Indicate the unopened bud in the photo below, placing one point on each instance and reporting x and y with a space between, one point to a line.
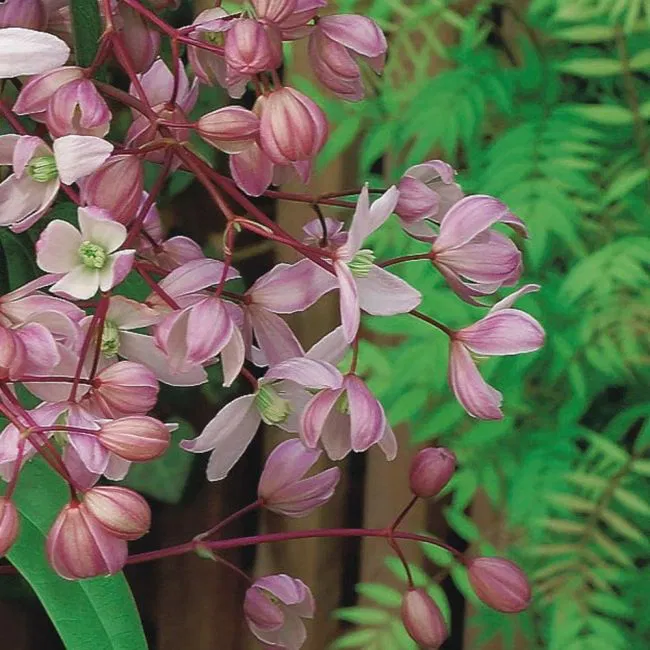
423 619
30 14
231 129
416 200
123 512
431 470
252 47
135 438
9 524
78 546
500 584
125 388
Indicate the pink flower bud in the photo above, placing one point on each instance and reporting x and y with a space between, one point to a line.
282 486
423 619
416 200
136 438
79 547
252 47
125 388
116 187
78 109
500 584
296 25
9 524
292 127
431 470
122 512
274 11
231 129
141 42
29 14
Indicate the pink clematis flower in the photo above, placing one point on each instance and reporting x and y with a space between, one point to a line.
282 487
503 331
362 284
332 45
25 350
274 608
89 258
25 51
38 171
475 259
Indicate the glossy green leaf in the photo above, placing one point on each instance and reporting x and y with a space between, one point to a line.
86 29
97 614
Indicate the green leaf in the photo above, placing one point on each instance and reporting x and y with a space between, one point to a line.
605 114
585 33
17 265
623 527
632 501
591 67
381 594
356 639
571 502
624 184
97 614
164 478
362 615
134 287
641 60
641 467
86 30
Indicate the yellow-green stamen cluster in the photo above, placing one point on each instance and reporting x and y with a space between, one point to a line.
42 169
92 255
273 408
361 263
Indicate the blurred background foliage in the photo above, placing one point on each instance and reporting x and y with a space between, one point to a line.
546 106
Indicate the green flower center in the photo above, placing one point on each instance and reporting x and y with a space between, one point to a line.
92 255
214 38
42 169
110 343
273 408
343 404
361 263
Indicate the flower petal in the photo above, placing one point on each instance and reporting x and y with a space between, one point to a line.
510 300
57 249
349 301
306 372
507 331
116 269
194 276
274 337
26 52
252 170
475 395
367 419
383 294
81 283
233 357
96 228
331 348
315 414
286 464
79 155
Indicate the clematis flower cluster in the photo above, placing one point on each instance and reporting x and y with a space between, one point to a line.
91 352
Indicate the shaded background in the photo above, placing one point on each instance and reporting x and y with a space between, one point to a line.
544 104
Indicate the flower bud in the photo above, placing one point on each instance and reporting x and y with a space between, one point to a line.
9 524
416 200
431 470
30 14
125 388
122 512
423 619
79 547
141 42
252 47
136 438
13 355
78 109
231 129
500 584
292 127
274 11
116 187
282 486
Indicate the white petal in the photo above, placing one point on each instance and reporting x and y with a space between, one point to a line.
108 234
25 51
58 247
81 283
79 155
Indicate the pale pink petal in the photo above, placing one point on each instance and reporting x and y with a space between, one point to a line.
23 201
315 414
331 348
335 436
362 35
233 357
307 372
129 314
383 294
8 143
26 52
477 397
158 83
349 301
388 443
57 249
81 283
467 218
288 590
77 469
90 451
142 349
28 216
26 148
117 468
288 288
510 300
432 170
117 267
96 228
367 419
274 337
37 92
506 331
209 328
467 291
286 464
194 276
42 352
79 155
252 170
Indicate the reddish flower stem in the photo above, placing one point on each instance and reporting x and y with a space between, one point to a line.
155 287
404 258
432 321
228 520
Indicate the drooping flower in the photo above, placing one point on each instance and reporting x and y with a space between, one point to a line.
26 52
89 257
333 44
475 259
423 619
274 608
38 171
231 129
252 47
504 331
282 486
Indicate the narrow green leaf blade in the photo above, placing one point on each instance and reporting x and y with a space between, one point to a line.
86 29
